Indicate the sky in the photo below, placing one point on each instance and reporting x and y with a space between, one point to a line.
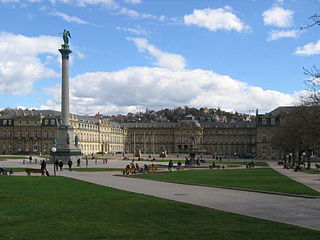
129 55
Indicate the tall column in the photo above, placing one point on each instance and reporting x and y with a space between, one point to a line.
65 51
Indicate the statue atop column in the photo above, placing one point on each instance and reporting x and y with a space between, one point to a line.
65 35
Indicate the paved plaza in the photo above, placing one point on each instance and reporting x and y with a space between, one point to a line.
298 211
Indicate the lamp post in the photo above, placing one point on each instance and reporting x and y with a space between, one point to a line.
53 150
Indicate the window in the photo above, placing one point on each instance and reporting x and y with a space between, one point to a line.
10 146
19 147
10 122
35 146
4 146
27 134
272 151
5 122
3 134
27 122
264 136
35 134
273 121
264 150
26 147
35 122
53 121
19 134
45 135
46 122
264 121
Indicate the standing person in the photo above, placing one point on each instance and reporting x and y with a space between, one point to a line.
61 165
30 159
70 164
56 163
86 160
43 165
78 162
170 166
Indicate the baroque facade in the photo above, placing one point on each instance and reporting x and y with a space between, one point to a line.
31 131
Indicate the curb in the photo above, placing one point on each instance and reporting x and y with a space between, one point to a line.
231 188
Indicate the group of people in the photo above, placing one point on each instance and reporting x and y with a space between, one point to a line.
59 164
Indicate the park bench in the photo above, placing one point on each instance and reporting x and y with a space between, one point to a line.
32 170
317 166
129 170
214 166
179 168
153 168
250 165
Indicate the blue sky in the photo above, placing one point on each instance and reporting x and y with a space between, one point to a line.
132 54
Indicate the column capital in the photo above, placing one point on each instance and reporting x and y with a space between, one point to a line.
65 51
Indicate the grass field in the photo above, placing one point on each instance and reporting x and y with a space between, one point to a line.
12 157
62 208
311 170
265 179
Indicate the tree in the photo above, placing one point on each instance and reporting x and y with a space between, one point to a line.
313 83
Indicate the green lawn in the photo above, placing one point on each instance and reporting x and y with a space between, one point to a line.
95 169
265 179
311 170
61 208
12 157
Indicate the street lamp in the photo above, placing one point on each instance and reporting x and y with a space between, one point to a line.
53 150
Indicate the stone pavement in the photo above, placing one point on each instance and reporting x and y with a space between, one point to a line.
310 180
292 210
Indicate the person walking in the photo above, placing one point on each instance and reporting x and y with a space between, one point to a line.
170 166
56 163
61 165
70 164
78 162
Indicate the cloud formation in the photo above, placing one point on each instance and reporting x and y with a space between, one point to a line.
215 19
163 59
309 49
276 34
133 1
20 66
69 18
168 85
279 17
135 88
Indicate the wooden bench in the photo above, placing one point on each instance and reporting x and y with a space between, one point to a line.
129 170
153 168
214 166
32 170
180 168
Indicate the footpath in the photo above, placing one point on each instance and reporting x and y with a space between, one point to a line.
310 180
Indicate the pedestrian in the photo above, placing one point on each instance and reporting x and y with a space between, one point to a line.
70 164
43 165
56 163
170 166
61 165
86 160
78 162
30 159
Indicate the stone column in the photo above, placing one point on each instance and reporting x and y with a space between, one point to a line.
65 51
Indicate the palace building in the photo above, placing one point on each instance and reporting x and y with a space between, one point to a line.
31 131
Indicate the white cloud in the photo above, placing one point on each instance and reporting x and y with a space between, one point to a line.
20 65
309 49
68 18
135 88
215 19
163 59
276 34
277 16
135 14
135 30
133 1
